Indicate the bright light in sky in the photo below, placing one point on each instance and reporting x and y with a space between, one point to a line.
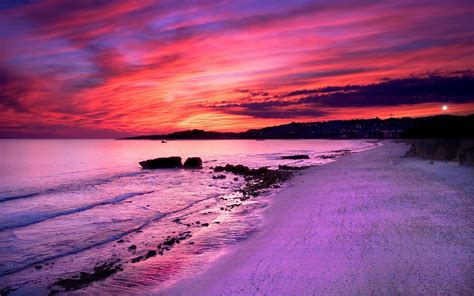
445 108
113 69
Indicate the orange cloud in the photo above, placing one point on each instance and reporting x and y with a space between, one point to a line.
124 68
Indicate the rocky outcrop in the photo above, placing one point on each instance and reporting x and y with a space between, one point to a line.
235 169
443 149
327 156
7 290
412 151
466 152
262 179
435 149
84 279
149 254
241 170
257 180
298 156
292 168
193 163
162 163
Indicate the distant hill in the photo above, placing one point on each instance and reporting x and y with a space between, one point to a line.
441 126
191 134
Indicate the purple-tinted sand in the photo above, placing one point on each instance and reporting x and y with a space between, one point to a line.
370 223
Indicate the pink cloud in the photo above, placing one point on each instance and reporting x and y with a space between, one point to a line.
149 67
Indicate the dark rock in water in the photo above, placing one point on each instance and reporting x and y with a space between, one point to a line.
101 272
238 169
264 180
236 179
120 241
205 224
219 177
241 170
132 247
342 150
38 267
162 163
5 291
150 253
193 163
259 171
136 259
169 241
298 156
219 169
257 179
235 169
291 168
327 156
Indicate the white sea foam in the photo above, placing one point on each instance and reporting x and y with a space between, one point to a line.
71 210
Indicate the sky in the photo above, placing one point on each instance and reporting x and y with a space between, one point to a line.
90 68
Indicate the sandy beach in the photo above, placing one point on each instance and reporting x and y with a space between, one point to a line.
369 223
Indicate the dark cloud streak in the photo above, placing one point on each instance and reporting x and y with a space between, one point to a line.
411 90
12 89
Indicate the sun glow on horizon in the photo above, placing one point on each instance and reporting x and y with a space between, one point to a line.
112 69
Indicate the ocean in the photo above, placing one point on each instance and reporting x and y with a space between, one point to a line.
68 206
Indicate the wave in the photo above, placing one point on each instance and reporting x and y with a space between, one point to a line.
8 198
49 216
71 187
103 241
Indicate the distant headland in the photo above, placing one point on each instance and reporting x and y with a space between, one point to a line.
440 127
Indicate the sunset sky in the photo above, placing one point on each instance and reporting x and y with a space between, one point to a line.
116 68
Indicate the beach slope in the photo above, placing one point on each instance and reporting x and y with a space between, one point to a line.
369 223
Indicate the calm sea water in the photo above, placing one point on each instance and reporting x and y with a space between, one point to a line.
68 205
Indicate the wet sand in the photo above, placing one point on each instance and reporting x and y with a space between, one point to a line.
369 223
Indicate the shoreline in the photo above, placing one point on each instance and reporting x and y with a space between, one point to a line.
115 269
371 222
